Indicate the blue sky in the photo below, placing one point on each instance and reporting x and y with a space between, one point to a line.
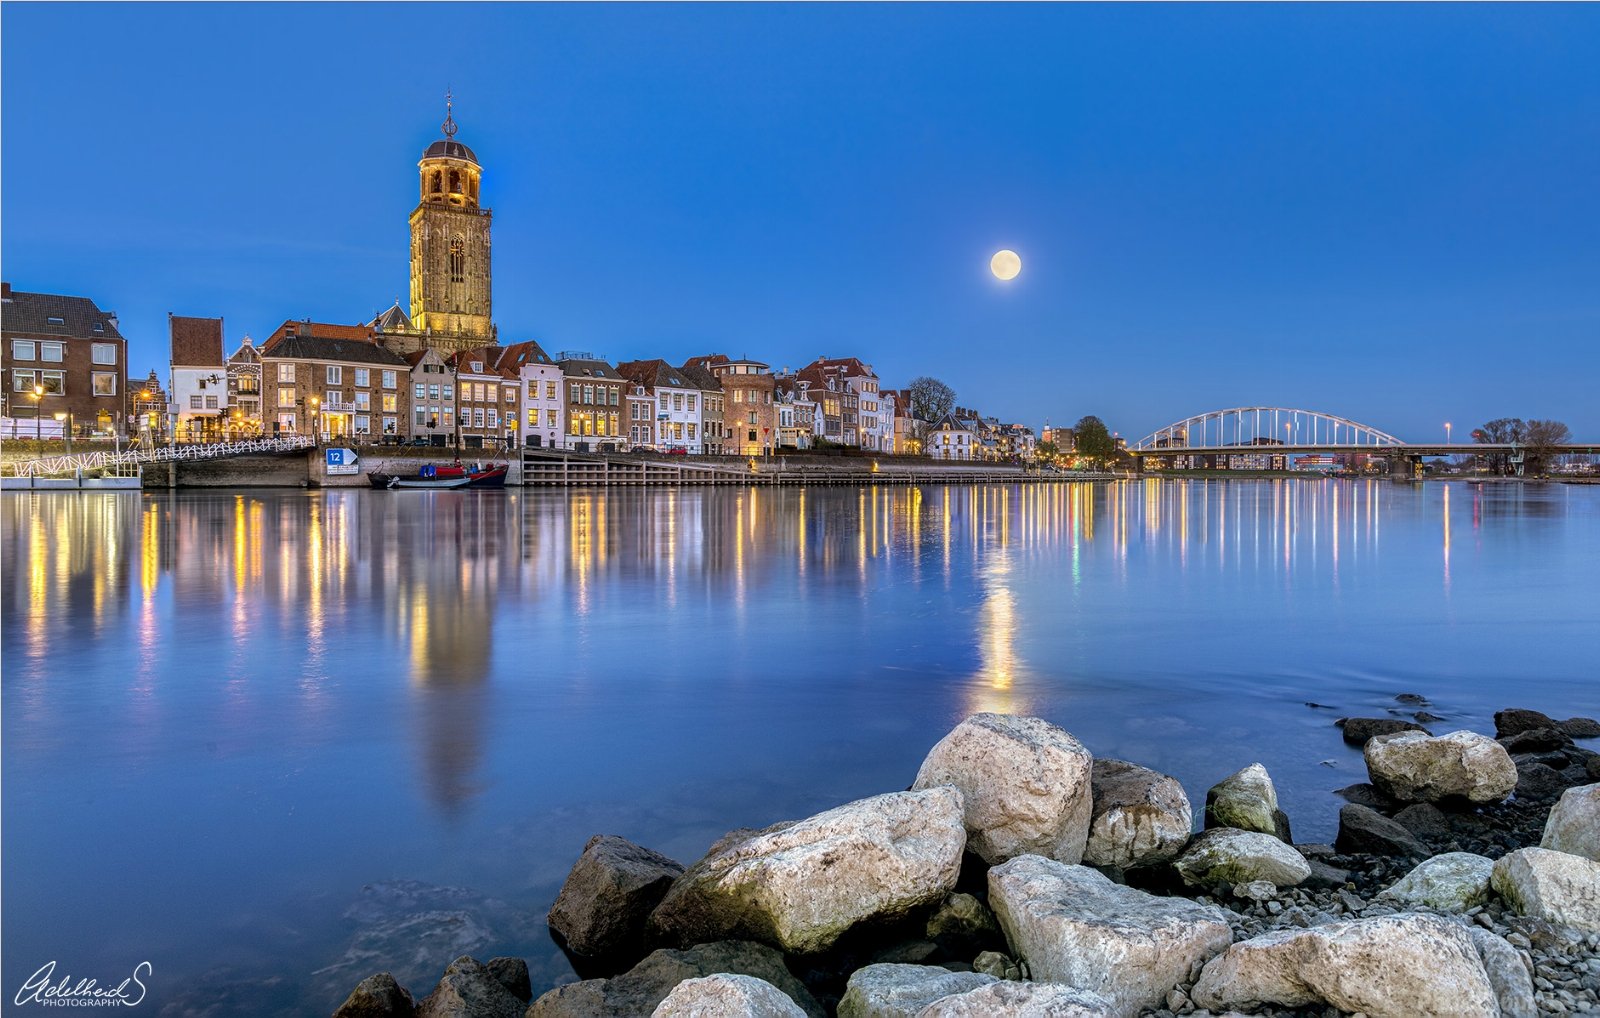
1388 212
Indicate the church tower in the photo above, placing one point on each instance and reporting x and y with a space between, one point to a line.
450 292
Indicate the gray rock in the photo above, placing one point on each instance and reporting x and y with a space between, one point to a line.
1536 740
1513 986
1554 886
1387 967
1425 820
1514 721
1025 786
1073 926
1140 817
467 990
1324 876
1364 831
1414 767
639 990
800 886
1021 1000
1225 856
1574 823
377 996
1452 882
902 991
1581 728
1358 730
1247 801
608 895
727 995
962 925
1539 782
1368 795
512 973
1001 966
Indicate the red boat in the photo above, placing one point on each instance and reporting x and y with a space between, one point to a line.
492 475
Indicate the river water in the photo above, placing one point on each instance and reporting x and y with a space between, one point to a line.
273 741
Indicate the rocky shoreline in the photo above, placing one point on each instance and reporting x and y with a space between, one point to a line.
1018 875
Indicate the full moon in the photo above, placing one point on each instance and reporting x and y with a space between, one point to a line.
1005 264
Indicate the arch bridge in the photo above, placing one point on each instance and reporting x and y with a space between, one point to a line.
1245 428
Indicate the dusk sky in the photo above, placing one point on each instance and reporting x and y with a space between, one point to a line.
1386 212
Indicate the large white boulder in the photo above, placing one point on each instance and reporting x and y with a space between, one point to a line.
1574 824
727 995
1561 888
1025 784
800 886
1247 800
1140 817
1417 767
1074 926
1454 882
1021 1000
1399 966
1223 855
901 991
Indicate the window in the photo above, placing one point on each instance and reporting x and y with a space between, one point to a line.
616 393
464 418
691 402
433 391
24 350
477 417
363 425
691 432
588 394
573 394
510 393
335 374
103 353
388 380
23 381
50 352
249 383
494 419
285 372
449 392
477 367
391 402
56 320
677 401
211 403
286 422
458 262
285 396
196 403
533 418
572 425
549 390
616 425
105 383
738 395
100 327
752 417
419 391
362 376
363 401
550 419
663 401
420 418
389 425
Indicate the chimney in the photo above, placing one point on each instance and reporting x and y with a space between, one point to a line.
5 292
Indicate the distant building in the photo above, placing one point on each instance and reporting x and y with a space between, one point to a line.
244 391
62 355
678 401
714 438
543 413
198 381
952 439
749 416
149 402
594 403
488 400
333 380
432 383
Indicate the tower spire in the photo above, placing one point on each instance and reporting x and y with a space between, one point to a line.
449 124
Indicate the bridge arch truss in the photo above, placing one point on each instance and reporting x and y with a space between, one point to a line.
1244 428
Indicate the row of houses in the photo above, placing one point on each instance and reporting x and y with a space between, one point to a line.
356 383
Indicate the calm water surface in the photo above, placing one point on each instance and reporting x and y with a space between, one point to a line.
274 741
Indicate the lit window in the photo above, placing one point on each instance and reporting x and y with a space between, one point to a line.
105 383
285 396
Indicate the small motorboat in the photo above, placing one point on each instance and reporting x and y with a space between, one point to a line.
446 483
491 476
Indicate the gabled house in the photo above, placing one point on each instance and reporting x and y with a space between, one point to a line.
199 378
543 408
677 403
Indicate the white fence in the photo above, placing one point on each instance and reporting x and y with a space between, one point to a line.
53 465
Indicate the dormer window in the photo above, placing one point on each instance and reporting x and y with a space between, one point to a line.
477 367
56 320
99 327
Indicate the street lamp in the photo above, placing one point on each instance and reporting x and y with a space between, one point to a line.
1446 432
316 422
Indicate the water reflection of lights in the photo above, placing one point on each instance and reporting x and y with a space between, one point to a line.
992 687
1447 538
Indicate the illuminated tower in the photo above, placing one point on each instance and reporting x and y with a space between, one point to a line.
450 292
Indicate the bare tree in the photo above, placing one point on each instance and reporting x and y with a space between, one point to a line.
931 400
1500 431
1542 438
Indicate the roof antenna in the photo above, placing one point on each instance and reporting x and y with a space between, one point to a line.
449 124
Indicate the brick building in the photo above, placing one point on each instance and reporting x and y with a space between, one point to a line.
62 355
332 380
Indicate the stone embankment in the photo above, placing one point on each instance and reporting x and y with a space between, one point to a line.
1020 876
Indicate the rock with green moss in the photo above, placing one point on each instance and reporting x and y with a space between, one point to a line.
1452 882
1225 856
1246 800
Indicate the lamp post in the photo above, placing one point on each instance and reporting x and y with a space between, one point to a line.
38 411
316 421
1446 432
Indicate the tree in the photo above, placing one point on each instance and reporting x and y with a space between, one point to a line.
931 400
1500 431
1046 452
1094 440
1541 438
